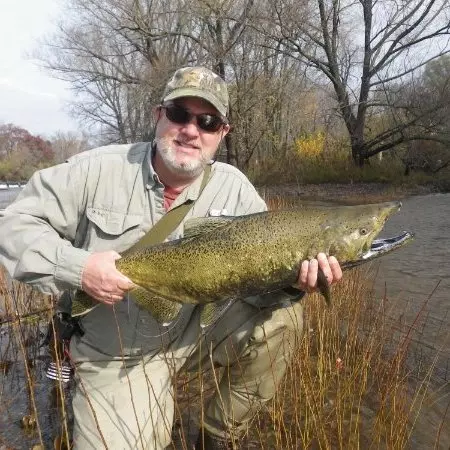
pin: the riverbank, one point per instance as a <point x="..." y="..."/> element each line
<point x="347" y="193"/>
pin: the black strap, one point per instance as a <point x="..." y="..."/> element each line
<point x="169" y="222"/>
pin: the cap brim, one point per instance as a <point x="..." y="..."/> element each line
<point x="193" y="92"/>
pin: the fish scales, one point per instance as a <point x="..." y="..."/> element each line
<point x="221" y="264"/>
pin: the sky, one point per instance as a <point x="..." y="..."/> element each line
<point x="29" y="96"/>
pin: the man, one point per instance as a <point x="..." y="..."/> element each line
<point x="65" y="232"/>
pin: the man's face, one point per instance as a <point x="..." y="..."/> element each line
<point x="186" y="149"/>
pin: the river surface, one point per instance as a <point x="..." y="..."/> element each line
<point x="7" y="196"/>
<point x="415" y="281"/>
<point x="417" y="276"/>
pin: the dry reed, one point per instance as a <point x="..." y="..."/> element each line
<point x="348" y="386"/>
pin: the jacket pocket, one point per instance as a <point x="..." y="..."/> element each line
<point x="113" y="223"/>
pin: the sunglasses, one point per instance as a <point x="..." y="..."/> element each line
<point x="206" y="122"/>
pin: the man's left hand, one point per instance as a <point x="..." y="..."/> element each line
<point x="307" y="279"/>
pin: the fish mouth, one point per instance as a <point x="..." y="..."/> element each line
<point x="382" y="246"/>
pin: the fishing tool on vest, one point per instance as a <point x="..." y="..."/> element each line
<point x="60" y="330"/>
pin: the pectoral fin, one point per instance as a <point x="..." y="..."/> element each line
<point x="82" y="303"/>
<point x="324" y="286"/>
<point x="213" y="311"/>
<point x="164" y="311"/>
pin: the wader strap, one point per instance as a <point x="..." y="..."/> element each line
<point x="169" y="222"/>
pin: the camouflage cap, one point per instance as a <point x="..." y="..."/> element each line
<point x="198" y="82"/>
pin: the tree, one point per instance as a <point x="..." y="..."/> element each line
<point x="117" y="55"/>
<point x="67" y="144"/>
<point x="10" y="137"/>
<point x="430" y="107"/>
<point x="361" y="48"/>
<point x="21" y="153"/>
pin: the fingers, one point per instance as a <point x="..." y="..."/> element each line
<point x="335" y="269"/>
<point x="307" y="279"/>
<point x="116" y="290"/>
<point x="102" y="281"/>
<point x="125" y="284"/>
<point x="308" y="275"/>
<point x="325" y="266"/>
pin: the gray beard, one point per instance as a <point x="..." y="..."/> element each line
<point x="190" y="169"/>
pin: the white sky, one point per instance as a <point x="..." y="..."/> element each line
<point x="29" y="97"/>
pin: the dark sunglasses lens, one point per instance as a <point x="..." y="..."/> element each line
<point x="180" y="115"/>
<point x="177" y="114"/>
<point x="209" y="122"/>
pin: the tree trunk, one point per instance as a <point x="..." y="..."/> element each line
<point x="358" y="153"/>
<point x="230" y="156"/>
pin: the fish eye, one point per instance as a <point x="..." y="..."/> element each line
<point x="363" y="231"/>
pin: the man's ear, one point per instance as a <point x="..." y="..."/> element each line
<point x="225" y="130"/>
<point x="157" y="110"/>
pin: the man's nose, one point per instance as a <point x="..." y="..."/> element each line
<point x="191" y="128"/>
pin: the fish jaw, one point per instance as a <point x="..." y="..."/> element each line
<point x="381" y="247"/>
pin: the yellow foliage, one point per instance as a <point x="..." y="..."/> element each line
<point x="310" y="145"/>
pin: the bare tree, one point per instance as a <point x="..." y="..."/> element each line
<point x="261" y="80"/>
<point x="67" y="144"/>
<point x="117" y="55"/>
<point x="218" y="26"/>
<point x="361" y="47"/>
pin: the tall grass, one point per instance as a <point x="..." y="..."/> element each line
<point x="353" y="382"/>
<point x="348" y="385"/>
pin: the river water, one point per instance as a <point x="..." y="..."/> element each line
<point x="7" y="196"/>
<point x="415" y="280"/>
<point x="417" y="276"/>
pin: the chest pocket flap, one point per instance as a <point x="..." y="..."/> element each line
<point x="111" y="222"/>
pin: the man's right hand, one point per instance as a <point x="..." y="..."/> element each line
<point x="101" y="280"/>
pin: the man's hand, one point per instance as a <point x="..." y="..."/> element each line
<point x="307" y="279"/>
<point x="101" y="280"/>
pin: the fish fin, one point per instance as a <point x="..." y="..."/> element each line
<point x="163" y="311"/>
<point x="82" y="303"/>
<point x="213" y="311"/>
<point x="324" y="286"/>
<point x="199" y="225"/>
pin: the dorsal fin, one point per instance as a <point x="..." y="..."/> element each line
<point x="200" y="225"/>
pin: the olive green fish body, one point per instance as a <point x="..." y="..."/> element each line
<point x="252" y="254"/>
<point x="228" y="258"/>
<point x="224" y="263"/>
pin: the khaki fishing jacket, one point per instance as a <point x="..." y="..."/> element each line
<point x="106" y="199"/>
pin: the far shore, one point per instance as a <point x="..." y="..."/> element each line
<point x="346" y="193"/>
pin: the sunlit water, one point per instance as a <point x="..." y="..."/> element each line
<point x="415" y="282"/>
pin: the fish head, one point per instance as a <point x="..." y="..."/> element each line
<point x="353" y="229"/>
